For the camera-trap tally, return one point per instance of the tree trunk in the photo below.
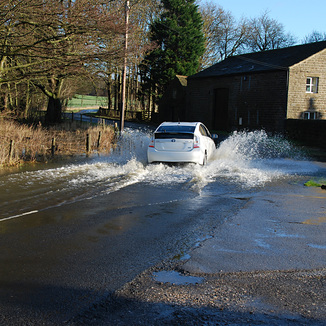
(109, 93)
(28, 100)
(53, 112)
(116, 92)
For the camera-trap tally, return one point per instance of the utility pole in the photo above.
(124, 72)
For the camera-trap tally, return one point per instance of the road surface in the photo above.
(73, 234)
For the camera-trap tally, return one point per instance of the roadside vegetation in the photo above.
(21, 143)
(316, 183)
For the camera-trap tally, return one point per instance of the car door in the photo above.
(208, 141)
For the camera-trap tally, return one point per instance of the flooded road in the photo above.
(72, 234)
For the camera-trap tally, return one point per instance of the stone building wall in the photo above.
(301, 102)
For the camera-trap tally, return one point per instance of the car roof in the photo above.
(193, 124)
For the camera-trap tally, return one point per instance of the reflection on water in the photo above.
(315, 221)
(248, 159)
(174, 277)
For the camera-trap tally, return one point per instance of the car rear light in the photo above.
(196, 142)
(151, 144)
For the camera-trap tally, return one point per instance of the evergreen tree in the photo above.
(180, 43)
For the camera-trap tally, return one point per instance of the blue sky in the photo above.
(298, 17)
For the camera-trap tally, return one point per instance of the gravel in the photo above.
(295, 297)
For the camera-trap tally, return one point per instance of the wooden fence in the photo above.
(87, 146)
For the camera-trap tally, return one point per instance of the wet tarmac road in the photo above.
(59, 262)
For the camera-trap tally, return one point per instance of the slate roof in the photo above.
(280, 59)
(182, 80)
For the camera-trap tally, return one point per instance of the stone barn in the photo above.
(172, 106)
(260, 90)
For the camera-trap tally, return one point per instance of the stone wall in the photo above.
(310, 132)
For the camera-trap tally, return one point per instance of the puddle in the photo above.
(282, 234)
(201, 240)
(315, 221)
(262, 244)
(174, 277)
(316, 246)
(182, 257)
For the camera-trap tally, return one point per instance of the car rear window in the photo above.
(176, 129)
(177, 132)
(175, 135)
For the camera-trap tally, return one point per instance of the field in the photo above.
(87, 101)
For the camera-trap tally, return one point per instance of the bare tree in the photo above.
(49, 43)
(267, 34)
(141, 14)
(315, 37)
(16, 28)
(224, 35)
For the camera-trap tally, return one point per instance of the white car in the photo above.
(181, 142)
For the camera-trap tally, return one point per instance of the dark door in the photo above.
(220, 110)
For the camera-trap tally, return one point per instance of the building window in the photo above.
(245, 83)
(310, 115)
(312, 85)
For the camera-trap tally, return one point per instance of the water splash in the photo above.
(256, 145)
(132, 144)
(248, 159)
(254, 158)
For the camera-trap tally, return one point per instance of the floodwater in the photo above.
(245, 159)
